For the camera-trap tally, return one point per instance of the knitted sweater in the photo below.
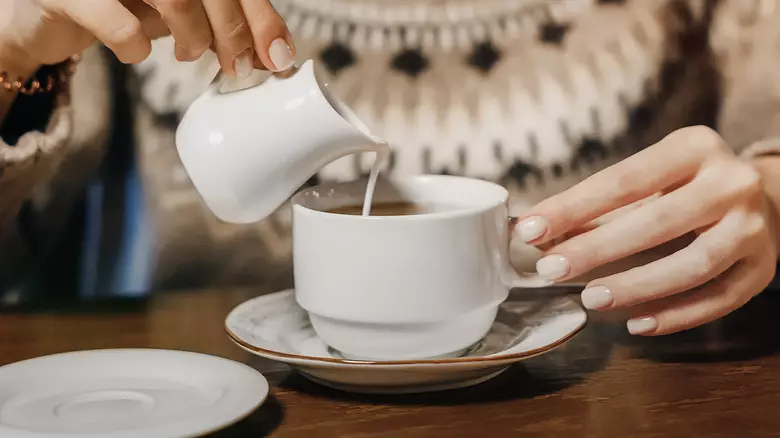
(535, 94)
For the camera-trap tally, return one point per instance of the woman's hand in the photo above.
(705, 190)
(244, 33)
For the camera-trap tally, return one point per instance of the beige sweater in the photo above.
(47, 170)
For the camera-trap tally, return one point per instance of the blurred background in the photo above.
(535, 94)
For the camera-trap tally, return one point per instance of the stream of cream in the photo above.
(382, 151)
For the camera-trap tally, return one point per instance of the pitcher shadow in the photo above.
(564, 367)
(262, 422)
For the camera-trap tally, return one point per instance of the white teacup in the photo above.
(404, 287)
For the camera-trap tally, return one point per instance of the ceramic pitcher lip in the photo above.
(337, 104)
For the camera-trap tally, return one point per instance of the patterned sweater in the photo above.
(535, 94)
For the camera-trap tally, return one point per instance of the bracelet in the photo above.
(61, 75)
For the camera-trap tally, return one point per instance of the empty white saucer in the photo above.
(275, 327)
(126, 394)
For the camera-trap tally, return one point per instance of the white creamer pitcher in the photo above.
(248, 151)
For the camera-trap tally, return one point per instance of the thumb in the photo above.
(111, 23)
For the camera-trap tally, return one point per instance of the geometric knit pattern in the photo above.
(534, 94)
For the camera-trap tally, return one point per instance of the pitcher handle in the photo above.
(216, 86)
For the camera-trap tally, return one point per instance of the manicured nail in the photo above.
(281, 55)
(531, 228)
(184, 54)
(243, 64)
(552, 267)
(596, 297)
(640, 326)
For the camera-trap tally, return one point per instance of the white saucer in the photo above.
(126, 394)
(275, 327)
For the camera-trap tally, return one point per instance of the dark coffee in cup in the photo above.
(402, 208)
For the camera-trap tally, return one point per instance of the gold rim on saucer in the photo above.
(453, 360)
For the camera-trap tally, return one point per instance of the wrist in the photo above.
(15, 63)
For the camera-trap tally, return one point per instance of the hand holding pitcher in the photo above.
(245, 34)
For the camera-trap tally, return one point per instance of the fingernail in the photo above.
(596, 297)
(552, 267)
(281, 55)
(183, 54)
(640, 326)
(531, 228)
(243, 64)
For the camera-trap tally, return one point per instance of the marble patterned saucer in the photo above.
(528, 324)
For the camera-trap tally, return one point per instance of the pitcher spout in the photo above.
(341, 108)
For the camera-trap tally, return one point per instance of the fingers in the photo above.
(243, 33)
(672, 161)
(273, 44)
(188, 24)
(233, 39)
(112, 24)
(712, 253)
(689, 208)
(153, 25)
(715, 301)
(589, 226)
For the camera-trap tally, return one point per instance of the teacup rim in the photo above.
(297, 202)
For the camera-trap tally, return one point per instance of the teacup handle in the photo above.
(521, 279)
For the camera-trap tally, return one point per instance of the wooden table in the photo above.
(719, 381)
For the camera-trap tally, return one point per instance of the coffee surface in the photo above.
(403, 208)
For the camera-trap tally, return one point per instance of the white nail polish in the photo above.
(640, 326)
(281, 55)
(552, 267)
(531, 228)
(597, 297)
(243, 64)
